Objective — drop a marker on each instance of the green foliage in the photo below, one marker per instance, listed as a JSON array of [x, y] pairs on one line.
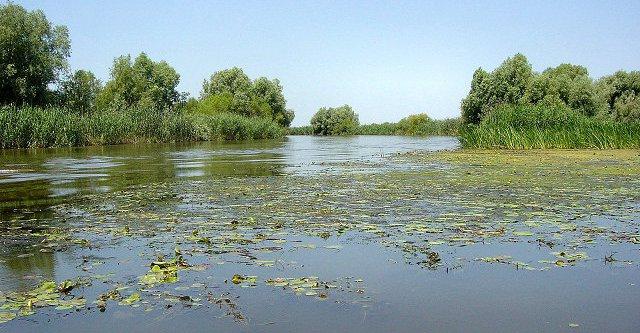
[[30, 127], [385, 128], [232, 91], [423, 125], [621, 92], [33, 53], [80, 91], [568, 85], [513, 83], [142, 83], [341, 120], [507, 84], [214, 104], [415, 125], [300, 130], [541, 126]]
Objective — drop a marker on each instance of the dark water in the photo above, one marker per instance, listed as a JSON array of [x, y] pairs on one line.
[[356, 212]]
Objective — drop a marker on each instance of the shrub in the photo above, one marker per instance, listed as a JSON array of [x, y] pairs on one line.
[[232, 91], [335, 121]]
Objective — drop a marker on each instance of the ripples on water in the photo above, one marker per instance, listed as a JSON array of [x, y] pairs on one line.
[[352, 211]]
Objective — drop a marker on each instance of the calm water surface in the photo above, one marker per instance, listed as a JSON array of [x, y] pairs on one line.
[[357, 216]]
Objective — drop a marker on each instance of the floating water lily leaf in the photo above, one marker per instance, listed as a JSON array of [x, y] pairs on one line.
[[133, 298], [6, 316]]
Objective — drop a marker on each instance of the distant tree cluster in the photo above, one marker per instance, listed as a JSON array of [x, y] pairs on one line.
[[515, 83], [34, 71], [340, 120], [231, 90]]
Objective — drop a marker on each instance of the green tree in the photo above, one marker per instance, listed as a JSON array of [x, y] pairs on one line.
[[231, 82], [270, 92], [141, 83], [474, 105], [79, 92], [620, 92], [565, 84], [33, 53], [233, 89], [507, 84], [335, 121]]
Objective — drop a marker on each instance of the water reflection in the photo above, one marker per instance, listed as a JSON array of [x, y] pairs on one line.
[[32, 181], [37, 179]]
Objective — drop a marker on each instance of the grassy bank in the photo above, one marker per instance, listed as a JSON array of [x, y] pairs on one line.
[[539, 127], [31, 127], [415, 125]]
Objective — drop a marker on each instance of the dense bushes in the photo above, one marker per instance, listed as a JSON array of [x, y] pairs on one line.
[[421, 124], [515, 83], [30, 127], [341, 120], [541, 126], [562, 107], [232, 91], [414, 125]]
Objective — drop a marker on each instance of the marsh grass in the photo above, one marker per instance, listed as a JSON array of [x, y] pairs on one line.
[[542, 127], [29, 127]]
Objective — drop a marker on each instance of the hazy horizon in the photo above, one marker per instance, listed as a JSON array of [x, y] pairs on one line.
[[387, 60]]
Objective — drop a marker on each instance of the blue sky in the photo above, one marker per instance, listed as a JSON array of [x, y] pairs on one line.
[[387, 59]]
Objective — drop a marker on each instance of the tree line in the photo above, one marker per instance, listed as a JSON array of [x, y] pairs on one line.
[[35, 72], [615, 97]]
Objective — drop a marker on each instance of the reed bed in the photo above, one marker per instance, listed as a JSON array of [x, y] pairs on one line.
[[31, 127], [544, 127]]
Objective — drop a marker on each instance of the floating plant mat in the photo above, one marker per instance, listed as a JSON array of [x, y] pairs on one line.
[[202, 243]]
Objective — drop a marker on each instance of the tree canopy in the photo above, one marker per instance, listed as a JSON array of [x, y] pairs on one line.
[[507, 84], [33, 54], [140, 83], [621, 94], [231, 90], [79, 92], [567, 85]]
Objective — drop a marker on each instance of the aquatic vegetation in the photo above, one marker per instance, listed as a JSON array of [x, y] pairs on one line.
[[542, 127], [48, 294], [31, 127], [437, 212]]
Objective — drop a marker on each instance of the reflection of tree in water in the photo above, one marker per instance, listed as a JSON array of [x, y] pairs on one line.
[[31, 196], [23, 259], [20, 273]]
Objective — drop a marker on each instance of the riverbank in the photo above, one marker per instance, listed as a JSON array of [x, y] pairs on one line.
[[31, 127]]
